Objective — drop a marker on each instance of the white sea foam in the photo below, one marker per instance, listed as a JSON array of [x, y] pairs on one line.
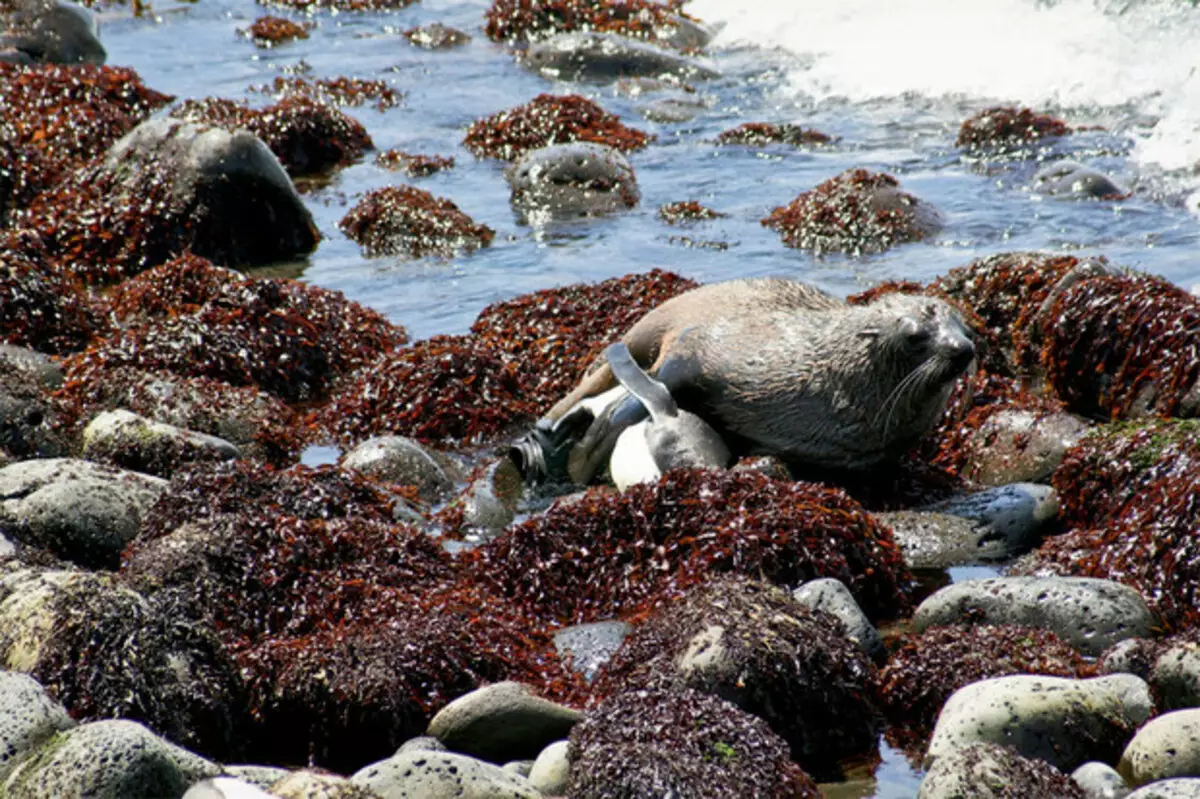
[[1140, 57]]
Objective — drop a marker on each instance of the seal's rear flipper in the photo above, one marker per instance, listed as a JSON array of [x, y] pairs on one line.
[[651, 393]]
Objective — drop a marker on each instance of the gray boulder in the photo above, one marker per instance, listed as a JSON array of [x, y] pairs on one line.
[[396, 459], [562, 182], [1179, 788], [27, 717], [833, 597], [124, 439], [82, 511], [107, 760], [442, 775], [1100, 781], [1062, 721], [501, 722], [241, 205], [551, 771], [26, 413], [1015, 445], [1071, 180], [1089, 614], [53, 32], [1176, 675], [590, 646], [1167, 746], [606, 57], [991, 771]]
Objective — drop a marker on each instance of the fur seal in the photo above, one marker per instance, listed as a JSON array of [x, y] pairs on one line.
[[670, 438], [776, 367]]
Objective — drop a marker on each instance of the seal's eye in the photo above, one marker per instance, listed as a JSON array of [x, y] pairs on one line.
[[915, 334]]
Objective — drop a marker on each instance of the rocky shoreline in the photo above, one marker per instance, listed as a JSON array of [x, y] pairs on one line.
[[179, 595]]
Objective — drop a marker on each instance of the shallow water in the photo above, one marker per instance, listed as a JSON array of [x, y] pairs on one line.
[[892, 79]]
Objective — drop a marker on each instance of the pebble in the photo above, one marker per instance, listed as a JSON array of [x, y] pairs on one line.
[[502, 722], [1176, 676], [1167, 746], [1087, 613], [311, 785], [225, 788]]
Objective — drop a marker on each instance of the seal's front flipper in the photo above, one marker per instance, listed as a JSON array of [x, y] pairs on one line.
[[651, 393]]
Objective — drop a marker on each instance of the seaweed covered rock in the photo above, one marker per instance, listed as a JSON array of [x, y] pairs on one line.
[[59, 117], [407, 221], [81, 511], [567, 181], [599, 57], [549, 119], [107, 758], [686, 211], [753, 645], [128, 441], [436, 36], [993, 771], [310, 6], [54, 32], [306, 135], [926, 668], [28, 416], [192, 319], [679, 743], [170, 187], [1124, 346], [104, 651], [1008, 128], [271, 31], [605, 554], [516, 20], [335, 91], [756, 134], [1130, 494], [857, 212], [44, 308], [415, 166]]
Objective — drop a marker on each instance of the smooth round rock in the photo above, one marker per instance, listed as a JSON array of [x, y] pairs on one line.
[[114, 759], [82, 511], [1071, 180], [130, 441], [589, 646], [567, 181], [991, 771], [1176, 676], [442, 775], [502, 722], [1017, 514], [396, 459], [930, 540], [311, 785], [1062, 721], [605, 57], [551, 770], [1179, 788], [519, 767], [1087, 613], [833, 597], [1015, 445], [422, 743], [1100, 781], [54, 32], [226, 788], [1167, 746], [28, 716]]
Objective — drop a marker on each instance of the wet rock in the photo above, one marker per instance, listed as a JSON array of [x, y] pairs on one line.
[[125, 440], [441, 775], [1179, 788], [516, 20], [1008, 128], [992, 771], [567, 181], [833, 597], [502, 722], [605, 57], [84, 512], [489, 503], [312, 785], [436, 36], [755, 646], [1176, 675], [27, 717], [1020, 446], [669, 110], [1100, 781], [1070, 180], [415, 166], [926, 668], [54, 32], [1064, 722], [857, 212], [760, 133], [1090, 614], [396, 459], [107, 652], [225, 788], [679, 743], [107, 758], [28, 416], [551, 771], [549, 119], [411, 222], [940, 540], [590, 646], [1167, 746]]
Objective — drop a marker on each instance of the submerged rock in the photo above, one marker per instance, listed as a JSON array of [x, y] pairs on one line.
[[604, 57], [568, 181], [1070, 180], [407, 221]]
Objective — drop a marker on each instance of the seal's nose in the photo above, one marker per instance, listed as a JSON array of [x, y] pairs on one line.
[[962, 351]]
